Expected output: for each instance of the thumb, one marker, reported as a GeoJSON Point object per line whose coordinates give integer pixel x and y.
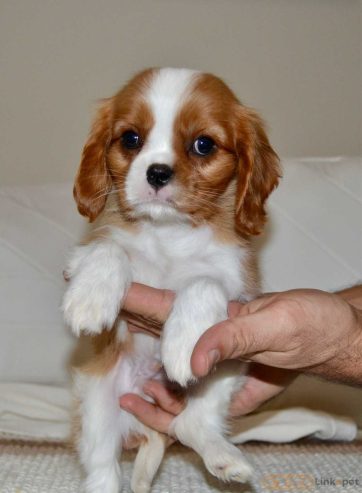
{"type": "Point", "coordinates": [238, 337]}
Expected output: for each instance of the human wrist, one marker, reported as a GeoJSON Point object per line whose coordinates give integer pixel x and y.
{"type": "Point", "coordinates": [346, 365]}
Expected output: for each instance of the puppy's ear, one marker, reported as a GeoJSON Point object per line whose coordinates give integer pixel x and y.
{"type": "Point", "coordinates": [258, 172]}
{"type": "Point", "coordinates": [93, 180]}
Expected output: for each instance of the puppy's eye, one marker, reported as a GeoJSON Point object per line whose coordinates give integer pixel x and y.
{"type": "Point", "coordinates": [203, 146]}
{"type": "Point", "coordinates": [131, 140]}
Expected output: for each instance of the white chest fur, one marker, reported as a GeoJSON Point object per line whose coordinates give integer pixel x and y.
{"type": "Point", "coordinates": [170, 255]}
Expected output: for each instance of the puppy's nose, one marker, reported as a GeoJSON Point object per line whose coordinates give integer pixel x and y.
{"type": "Point", "coordinates": [158, 175]}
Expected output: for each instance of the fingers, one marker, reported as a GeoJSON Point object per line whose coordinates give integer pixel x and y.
{"type": "Point", "coordinates": [251, 398]}
{"type": "Point", "coordinates": [149, 414]}
{"type": "Point", "coordinates": [158, 415]}
{"type": "Point", "coordinates": [222, 341]}
{"type": "Point", "coordinates": [234, 308]}
{"type": "Point", "coordinates": [165, 399]}
{"type": "Point", "coordinates": [149, 303]}
{"type": "Point", "coordinates": [136, 326]}
{"type": "Point", "coordinates": [239, 337]}
{"type": "Point", "coordinates": [262, 384]}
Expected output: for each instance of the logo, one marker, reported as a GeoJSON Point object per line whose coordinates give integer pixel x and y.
{"type": "Point", "coordinates": [304, 483]}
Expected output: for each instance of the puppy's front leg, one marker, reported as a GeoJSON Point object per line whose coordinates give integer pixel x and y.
{"type": "Point", "coordinates": [198, 306]}
{"type": "Point", "coordinates": [100, 275]}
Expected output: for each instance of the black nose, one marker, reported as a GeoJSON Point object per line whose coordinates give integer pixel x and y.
{"type": "Point", "coordinates": [158, 175]}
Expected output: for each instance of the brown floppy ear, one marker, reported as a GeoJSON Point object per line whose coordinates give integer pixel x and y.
{"type": "Point", "coordinates": [93, 181]}
{"type": "Point", "coordinates": [258, 172]}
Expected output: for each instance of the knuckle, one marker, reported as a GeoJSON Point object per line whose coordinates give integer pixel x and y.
{"type": "Point", "coordinates": [286, 312]}
{"type": "Point", "coordinates": [238, 343]}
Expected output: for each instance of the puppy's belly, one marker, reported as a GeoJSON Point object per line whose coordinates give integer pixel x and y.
{"type": "Point", "coordinates": [133, 371]}
{"type": "Point", "coordinates": [98, 387]}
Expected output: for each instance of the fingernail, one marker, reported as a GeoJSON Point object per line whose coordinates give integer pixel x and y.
{"type": "Point", "coordinates": [213, 357]}
{"type": "Point", "coordinates": [147, 389]}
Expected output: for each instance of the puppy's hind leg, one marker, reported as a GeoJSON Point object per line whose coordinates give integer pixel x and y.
{"type": "Point", "coordinates": [148, 460]}
{"type": "Point", "coordinates": [202, 425]}
{"type": "Point", "coordinates": [99, 443]}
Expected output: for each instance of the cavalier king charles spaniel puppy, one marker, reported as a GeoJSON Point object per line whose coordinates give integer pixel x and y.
{"type": "Point", "coordinates": [176, 171]}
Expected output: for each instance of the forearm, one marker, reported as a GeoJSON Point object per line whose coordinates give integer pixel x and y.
{"type": "Point", "coordinates": [346, 366]}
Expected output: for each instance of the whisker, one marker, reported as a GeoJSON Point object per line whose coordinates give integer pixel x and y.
{"type": "Point", "coordinates": [204, 195]}
{"type": "Point", "coordinates": [191, 199]}
{"type": "Point", "coordinates": [104, 191]}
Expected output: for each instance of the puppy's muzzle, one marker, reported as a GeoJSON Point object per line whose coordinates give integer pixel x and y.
{"type": "Point", "coordinates": [158, 175]}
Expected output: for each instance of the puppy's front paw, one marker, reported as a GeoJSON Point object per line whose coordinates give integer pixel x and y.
{"type": "Point", "coordinates": [99, 277]}
{"type": "Point", "coordinates": [91, 307]}
{"type": "Point", "coordinates": [179, 338]}
{"type": "Point", "coordinates": [176, 352]}
{"type": "Point", "coordinates": [197, 307]}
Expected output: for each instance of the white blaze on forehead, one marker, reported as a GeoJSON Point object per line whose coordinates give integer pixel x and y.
{"type": "Point", "coordinates": [165, 97]}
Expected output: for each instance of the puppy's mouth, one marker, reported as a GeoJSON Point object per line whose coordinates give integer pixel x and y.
{"type": "Point", "coordinates": [158, 205]}
{"type": "Point", "coordinates": [163, 196]}
{"type": "Point", "coordinates": [160, 200]}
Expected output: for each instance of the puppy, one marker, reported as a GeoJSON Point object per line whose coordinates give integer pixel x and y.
{"type": "Point", "coordinates": [176, 171]}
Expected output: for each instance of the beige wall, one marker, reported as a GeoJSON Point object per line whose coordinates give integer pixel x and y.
{"type": "Point", "coordinates": [297, 61]}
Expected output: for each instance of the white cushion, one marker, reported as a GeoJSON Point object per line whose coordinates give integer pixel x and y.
{"type": "Point", "coordinates": [38, 225]}
{"type": "Point", "coordinates": [314, 235]}
{"type": "Point", "coordinates": [313, 239]}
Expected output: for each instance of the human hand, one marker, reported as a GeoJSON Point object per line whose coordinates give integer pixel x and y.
{"type": "Point", "coordinates": [302, 329]}
{"type": "Point", "coordinates": [147, 307]}
{"type": "Point", "coordinates": [158, 415]}
{"type": "Point", "coordinates": [290, 317]}
{"type": "Point", "coordinates": [262, 383]}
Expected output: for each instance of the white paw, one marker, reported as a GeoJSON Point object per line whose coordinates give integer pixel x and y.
{"type": "Point", "coordinates": [176, 352]}
{"type": "Point", "coordinates": [91, 308]}
{"type": "Point", "coordinates": [103, 480]}
{"type": "Point", "coordinates": [99, 276]}
{"type": "Point", "coordinates": [226, 462]}
{"type": "Point", "coordinates": [180, 335]}
{"type": "Point", "coordinates": [141, 487]}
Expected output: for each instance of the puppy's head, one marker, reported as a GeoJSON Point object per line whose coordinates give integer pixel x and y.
{"type": "Point", "coordinates": [177, 144]}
